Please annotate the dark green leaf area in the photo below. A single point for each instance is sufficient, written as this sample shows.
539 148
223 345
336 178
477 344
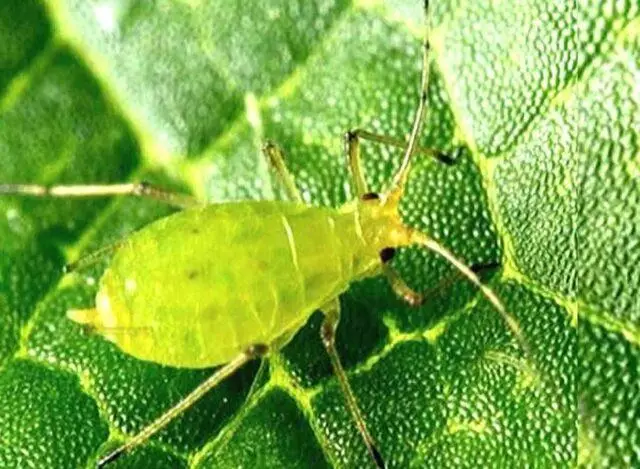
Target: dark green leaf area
20 290
46 419
522 404
409 373
24 33
609 384
54 132
448 204
361 332
571 205
273 434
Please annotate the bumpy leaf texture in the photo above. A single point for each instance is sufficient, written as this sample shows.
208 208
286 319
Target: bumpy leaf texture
538 100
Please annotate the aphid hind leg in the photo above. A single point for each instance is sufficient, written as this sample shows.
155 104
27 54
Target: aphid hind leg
328 335
136 189
222 373
275 157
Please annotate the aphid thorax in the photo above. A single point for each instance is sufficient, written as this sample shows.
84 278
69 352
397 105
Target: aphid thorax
379 220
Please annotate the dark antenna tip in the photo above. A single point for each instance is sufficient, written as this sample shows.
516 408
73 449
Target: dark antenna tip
377 457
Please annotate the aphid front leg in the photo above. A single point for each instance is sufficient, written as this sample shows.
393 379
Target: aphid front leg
328 335
92 257
136 189
399 286
352 150
406 293
455 276
275 157
434 246
227 370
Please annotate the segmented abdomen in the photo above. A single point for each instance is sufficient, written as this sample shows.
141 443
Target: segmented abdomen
208 283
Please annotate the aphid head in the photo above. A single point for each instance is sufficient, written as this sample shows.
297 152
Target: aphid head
380 220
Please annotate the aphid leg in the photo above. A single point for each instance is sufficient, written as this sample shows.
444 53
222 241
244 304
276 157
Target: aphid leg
91 258
227 370
328 334
275 157
399 286
137 189
431 244
257 380
352 149
405 292
450 279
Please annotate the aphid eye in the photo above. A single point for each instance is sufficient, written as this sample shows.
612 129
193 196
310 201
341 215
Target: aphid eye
387 254
369 196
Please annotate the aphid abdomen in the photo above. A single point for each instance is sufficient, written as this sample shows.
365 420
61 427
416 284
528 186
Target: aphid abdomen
198 287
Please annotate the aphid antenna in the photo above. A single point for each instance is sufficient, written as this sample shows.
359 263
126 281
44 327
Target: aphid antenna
396 190
397 185
513 325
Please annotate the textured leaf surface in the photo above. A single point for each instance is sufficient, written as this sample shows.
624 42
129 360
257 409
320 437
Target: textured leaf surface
539 102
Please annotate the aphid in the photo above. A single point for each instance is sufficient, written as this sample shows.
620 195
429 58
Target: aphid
248 275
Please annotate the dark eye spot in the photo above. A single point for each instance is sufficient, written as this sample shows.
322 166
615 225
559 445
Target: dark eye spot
370 196
387 254
192 274
195 230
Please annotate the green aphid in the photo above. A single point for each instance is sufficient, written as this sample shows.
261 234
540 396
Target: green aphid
224 284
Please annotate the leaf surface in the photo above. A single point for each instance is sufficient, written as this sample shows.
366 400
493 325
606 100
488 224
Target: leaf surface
539 103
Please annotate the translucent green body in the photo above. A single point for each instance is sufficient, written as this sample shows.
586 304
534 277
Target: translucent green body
199 287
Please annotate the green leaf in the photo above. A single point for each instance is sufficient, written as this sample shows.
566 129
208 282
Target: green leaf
537 100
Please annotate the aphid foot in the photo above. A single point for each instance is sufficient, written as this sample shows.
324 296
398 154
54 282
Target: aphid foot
413 299
110 458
